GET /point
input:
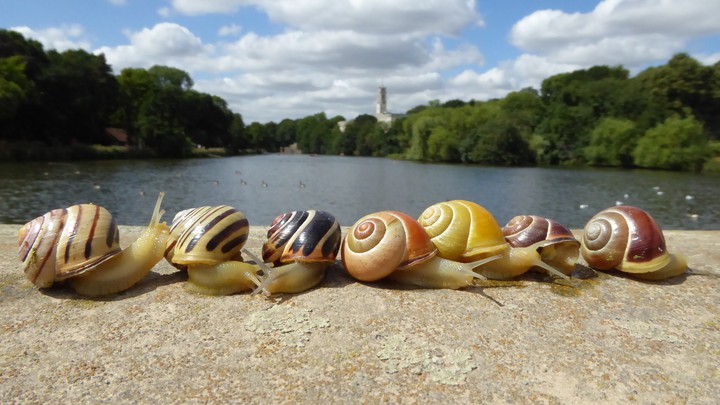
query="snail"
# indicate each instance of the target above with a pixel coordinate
(301, 245)
(628, 239)
(206, 241)
(465, 231)
(81, 244)
(394, 245)
(526, 230)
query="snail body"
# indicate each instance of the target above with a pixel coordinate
(207, 242)
(300, 246)
(628, 239)
(563, 249)
(464, 231)
(81, 244)
(392, 244)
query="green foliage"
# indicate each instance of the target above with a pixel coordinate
(611, 143)
(14, 86)
(497, 142)
(662, 118)
(676, 144)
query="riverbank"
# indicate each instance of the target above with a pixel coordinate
(40, 152)
(612, 340)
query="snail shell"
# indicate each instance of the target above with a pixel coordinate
(301, 245)
(207, 235)
(380, 243)
(462, 230)
(65, 243)
(628, 239)
(562, 249)
(307, 236)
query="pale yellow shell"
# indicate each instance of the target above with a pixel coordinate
(207, 235)
(463, 231)
(66, 242)
(383, 242)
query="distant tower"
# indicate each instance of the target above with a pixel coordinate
(381, 106)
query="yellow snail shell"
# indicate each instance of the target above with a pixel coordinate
(81, 243)
(207, 235)
(301, 245)
(393, 244)
(462, 230)
(628, 239)
(563, 249)
(465, 231)
(207, 242)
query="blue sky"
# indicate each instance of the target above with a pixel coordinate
(275, 59)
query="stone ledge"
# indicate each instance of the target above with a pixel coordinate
(614, 340)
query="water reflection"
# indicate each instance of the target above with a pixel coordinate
(265, 186)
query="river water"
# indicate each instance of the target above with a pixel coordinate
(349, 187)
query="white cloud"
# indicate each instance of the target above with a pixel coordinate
(331, 55)
(118, 2)
(165, 44)
(617, 31)
(228, 30)
(61, 39)
(194, 7)
(406, 17)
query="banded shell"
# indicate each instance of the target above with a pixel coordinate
(307, 236)
(67, 242)
(207, 235)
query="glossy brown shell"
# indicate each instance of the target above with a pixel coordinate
(625, 238)
(526, 230)
(380, 243)
(207, 235)
(67, 242)
(561, 251)
(305, 236)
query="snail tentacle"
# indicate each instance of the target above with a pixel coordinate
(123, 270)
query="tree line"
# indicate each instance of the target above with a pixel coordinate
(56, 99)
(665, 117)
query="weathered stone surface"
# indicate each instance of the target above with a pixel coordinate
(612, 340)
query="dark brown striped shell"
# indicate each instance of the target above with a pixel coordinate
(207, 235)
(306, 236)
(66, 242)
(526, 230)
(625, 238)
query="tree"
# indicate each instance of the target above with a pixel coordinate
(497, 142)
(611, 143)
(79, 93)
(573, 103)
(676, 144)
(161, 127)
(14, 86)
(169, 76)
(134, 84)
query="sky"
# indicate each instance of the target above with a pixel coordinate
(276, 59)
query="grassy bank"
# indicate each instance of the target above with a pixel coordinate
(36, 151)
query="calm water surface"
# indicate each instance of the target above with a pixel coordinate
(265, 186)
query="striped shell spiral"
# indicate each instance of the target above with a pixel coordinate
(64, 243)
(306, 236)
(207, 235)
